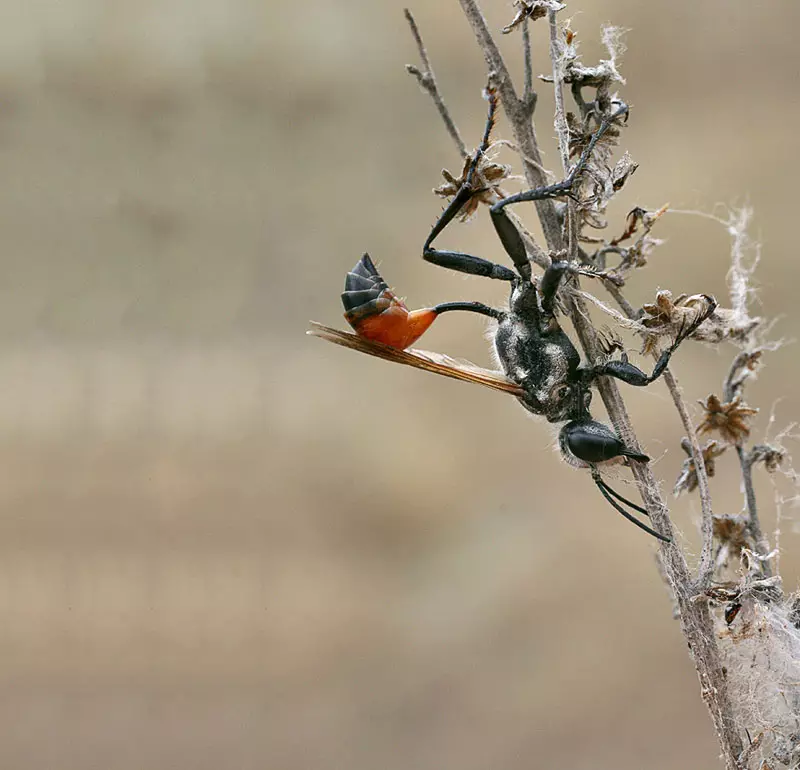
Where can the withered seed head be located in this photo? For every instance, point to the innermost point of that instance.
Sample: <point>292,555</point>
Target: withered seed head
<point>532,9</point>
<point>771,456</point>
<point>729,418</point>
<point>732,531</point>
<point>667,316</point>
<point>687,480</point>
<point>486,182</point>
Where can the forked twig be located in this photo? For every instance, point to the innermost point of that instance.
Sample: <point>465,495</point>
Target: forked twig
<point>427,81</point>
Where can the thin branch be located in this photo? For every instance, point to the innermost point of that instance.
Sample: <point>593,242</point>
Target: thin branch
<point>733,388</point>
<point>519,119</point>
<point>705,568</point>
<point>753,522</point>
<point>427,81</point>
<point>706,565</point>
<point>562,129</point>
<point>529,96</point>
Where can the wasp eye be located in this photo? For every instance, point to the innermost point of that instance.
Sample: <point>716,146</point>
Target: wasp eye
<point>560,392</point>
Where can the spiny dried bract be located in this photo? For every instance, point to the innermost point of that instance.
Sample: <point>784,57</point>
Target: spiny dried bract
<point>687,480</point>
<point>600,76</point>
<point>600,181</point>
<point>667,317</point>
<point>486,180</point>
<point>601,178</point>
<point>531,9</point>
<point>728,418</point>
<point>732,532</point>
<point>637,254</point>
<point>610,341</point>
<point>640,216</point>
<point>772,456</point>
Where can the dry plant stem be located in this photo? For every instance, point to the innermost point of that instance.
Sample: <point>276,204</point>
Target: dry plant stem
<point>705,569</point>
<point>706,566</point>
<point>753,523</point>
<point>530,95</point>
<point>730,390</point>
<point>427,80</point>
<point>519,118</point>
<point>535,252</point>
<point>695,616</point>
<point>562,129</point>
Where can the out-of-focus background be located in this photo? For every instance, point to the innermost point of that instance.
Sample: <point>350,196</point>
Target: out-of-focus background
<point>224,544</point>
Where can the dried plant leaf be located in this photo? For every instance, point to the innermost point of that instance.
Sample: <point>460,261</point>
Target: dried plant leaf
<point>622,171</point>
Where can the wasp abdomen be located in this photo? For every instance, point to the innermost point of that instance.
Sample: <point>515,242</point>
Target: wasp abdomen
<point>375,312</point>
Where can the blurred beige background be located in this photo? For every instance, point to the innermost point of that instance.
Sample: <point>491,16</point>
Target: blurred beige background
<point>226,545</point>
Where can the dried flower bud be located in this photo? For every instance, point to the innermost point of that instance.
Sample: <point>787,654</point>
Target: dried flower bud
<point>486,180</point>
<point>732,532</point>
<point>687,480</point>
<point>771,456</point>
<point>531,9</point>
<point>729,418</point>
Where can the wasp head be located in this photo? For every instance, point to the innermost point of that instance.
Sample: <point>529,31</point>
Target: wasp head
<point>562,402</point>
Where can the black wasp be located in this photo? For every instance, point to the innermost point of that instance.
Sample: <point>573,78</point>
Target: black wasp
<point>541,366</point>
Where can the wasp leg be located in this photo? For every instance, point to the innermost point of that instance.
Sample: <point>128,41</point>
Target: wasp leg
<point>633,375</point>
<point>564,189</point>
<point>456,260</point>
<point>510,236</point>
<point>473,307</point>
<point>619,497</point>
<point>548,287</point>
<point>602,487</point>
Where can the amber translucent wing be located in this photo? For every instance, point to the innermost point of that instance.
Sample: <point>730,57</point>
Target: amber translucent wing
<point>438,363</point>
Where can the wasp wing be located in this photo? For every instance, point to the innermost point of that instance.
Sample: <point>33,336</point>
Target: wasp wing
<point>438,363</point>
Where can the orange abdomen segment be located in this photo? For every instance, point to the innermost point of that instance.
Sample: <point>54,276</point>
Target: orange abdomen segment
<point>374,311</point>
<point>396,326</point>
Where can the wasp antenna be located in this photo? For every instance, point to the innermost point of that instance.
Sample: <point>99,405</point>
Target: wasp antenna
<point>619,497</point>
<point>627,515</point>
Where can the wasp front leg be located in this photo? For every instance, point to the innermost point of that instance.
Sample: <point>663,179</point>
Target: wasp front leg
<point>632,375</point>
